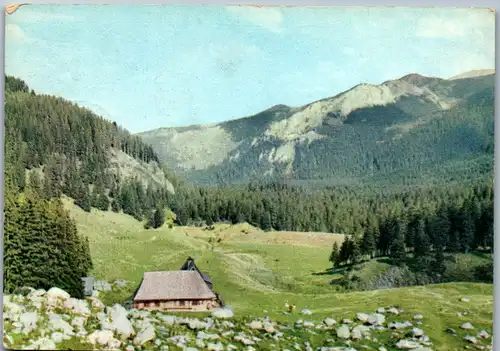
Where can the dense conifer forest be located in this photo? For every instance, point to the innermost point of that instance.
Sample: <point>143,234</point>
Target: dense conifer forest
<point>54,147</point>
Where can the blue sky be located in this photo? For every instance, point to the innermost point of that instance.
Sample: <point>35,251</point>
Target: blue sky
<point>147,67</point>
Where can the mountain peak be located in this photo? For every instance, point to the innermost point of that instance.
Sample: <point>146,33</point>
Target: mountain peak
<point>417,79</point>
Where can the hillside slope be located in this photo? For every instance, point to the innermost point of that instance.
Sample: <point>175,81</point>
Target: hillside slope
<point>75,152</point>
<point>256,277</point>
<point>409,125</point>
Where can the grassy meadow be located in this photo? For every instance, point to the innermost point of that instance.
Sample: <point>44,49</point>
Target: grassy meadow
<point>256,273</point>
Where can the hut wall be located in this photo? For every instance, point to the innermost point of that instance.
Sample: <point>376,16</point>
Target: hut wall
<point>177,305</point>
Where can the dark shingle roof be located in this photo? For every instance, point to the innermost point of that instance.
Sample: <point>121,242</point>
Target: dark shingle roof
<point>173,285</point>
<point>206,278</point>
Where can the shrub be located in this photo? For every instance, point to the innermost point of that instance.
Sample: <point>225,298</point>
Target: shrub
<point>484,273</point>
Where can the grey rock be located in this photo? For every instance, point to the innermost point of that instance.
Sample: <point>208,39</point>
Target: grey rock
<point>57,323</point>
<point>223,313</point>
<point>255,325</point>
<point>57,293</point>
<point>168,320</point>
<point>343,332</point>
<point>417,332</point>
<point>483,334</point>
<point>215,347</point>
<point>393,310</point>
<point>57,337</point>
<point>407,344</point>
<point>467,326</point>
<point>470,339</point>
<point>29,321</point>
<point>244,340</point>
<point>376,319</point>
<point>145,335</point>
<point>197,324</point>
<point>119,321</point>
<point>362,317</point>
<point>360,332</point>
<point>397,325</point>
<point>329,322</point>
<point>46,344</point>
<point>205,336</point>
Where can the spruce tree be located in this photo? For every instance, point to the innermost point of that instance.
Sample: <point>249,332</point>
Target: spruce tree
<point>368,245</point>
<point>335,254</point>
<point>398,250</point>
<point>266,221</point>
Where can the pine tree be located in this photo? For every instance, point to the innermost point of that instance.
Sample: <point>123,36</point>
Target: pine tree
<point>398,250</point>
<point>158,217</point>
<point>438,265</point>
<point>355,251</point>
<point>335,254</point>
<point>84,201</point>
<point>115,206</point>
<point>368,245</point>
<point>422,241</point>
<point>266,221</point>
<point>344,253</point>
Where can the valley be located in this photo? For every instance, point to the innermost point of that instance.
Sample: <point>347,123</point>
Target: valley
<point>246,178</point>
<point>356,207</point>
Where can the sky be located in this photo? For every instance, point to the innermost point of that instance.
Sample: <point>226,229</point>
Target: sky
<point>148,67</point>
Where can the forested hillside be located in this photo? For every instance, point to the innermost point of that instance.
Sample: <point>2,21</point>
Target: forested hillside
<point>53,147</point>
<point>412,130</point>
<point>70,150</point>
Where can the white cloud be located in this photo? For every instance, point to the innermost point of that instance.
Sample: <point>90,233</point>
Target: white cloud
<point>15,33</point>
<point>460,25</point>
<point>438,27</point>
<point>25,14</point>
<point>270,18</point>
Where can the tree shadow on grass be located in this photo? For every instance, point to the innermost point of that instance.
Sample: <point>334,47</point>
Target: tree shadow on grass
<point>336,270</point>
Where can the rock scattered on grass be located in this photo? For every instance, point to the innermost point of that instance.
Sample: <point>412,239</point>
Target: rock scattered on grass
<point>483,334</point>
<point>471,339</point>
<point>467,326</point>
<point>116,327</point>
<point>343,332</point>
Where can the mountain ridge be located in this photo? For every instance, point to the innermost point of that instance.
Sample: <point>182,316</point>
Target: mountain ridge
<point>412,77</point>
<point>271,141</point>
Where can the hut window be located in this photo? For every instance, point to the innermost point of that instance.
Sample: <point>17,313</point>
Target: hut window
<point>182,303</point>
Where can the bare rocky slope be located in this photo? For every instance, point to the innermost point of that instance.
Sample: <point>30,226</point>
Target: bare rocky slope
<point>360,131</point>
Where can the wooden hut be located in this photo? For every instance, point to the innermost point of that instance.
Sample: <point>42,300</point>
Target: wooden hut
<point>189,265</point>
<point>175,291</point>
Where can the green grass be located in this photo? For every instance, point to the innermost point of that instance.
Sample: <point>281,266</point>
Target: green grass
<point>253,277</point>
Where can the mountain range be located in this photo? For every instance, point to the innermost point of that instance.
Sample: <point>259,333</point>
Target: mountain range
<point>412,128</point>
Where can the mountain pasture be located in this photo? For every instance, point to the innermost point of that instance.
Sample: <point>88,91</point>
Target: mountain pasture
<point>258,277</point>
